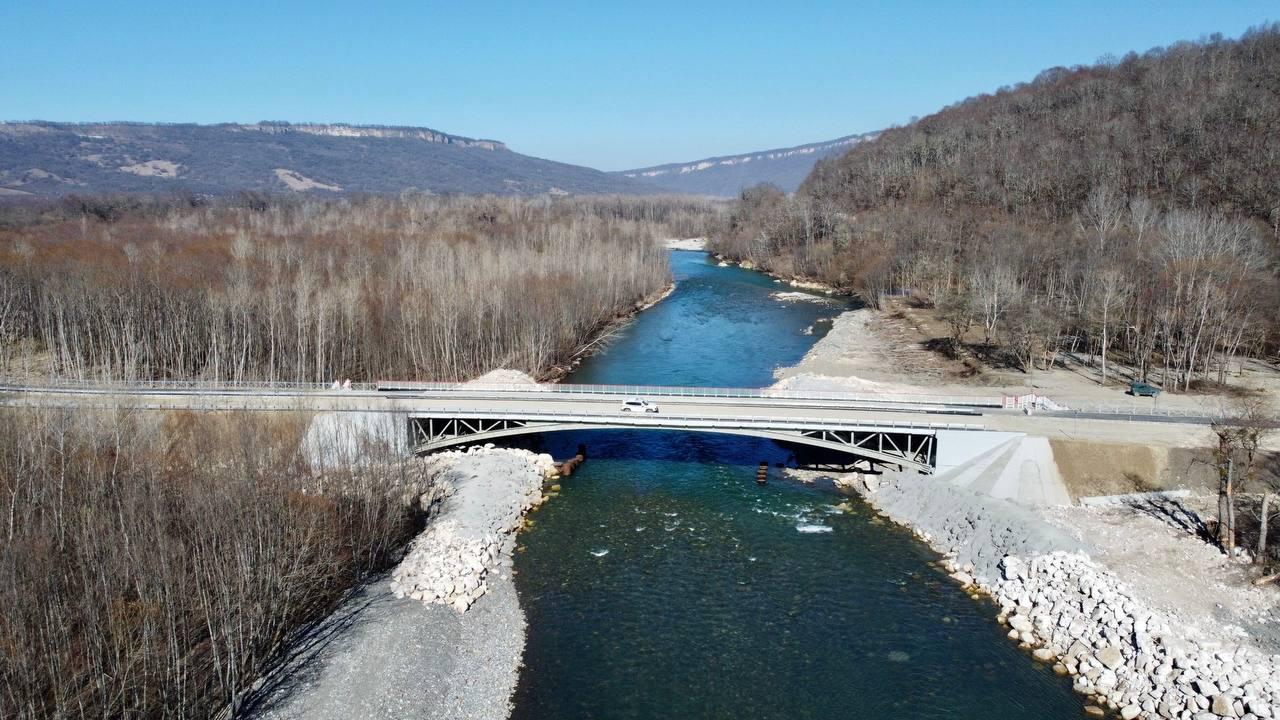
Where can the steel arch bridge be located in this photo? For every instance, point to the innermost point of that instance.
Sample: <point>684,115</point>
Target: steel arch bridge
<point>906,445</point>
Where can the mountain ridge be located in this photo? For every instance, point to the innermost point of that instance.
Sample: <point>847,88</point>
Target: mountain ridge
<point>728,175</point>
<point>46,158</point>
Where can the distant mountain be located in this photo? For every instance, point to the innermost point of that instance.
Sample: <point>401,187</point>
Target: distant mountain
<point>51,159</point>
<point>727,176</point>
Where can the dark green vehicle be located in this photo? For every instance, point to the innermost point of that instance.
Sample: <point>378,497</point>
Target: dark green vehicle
<point>1141,389</point>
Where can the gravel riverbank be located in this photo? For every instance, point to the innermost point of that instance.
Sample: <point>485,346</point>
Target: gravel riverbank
<point>442,635</point>
<point>1148,619</point>
<point>484,495</point>
<point>856,356</point>
<point>696,243</point>
<point>1074,612</point>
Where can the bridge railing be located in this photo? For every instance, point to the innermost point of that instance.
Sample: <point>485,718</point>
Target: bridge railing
<point>712,421</point>
<point>1137,410</point>
<point>647,391</point>
<point>1069,406</point>
<point>175,385</point>
<point>452,387</point>
<point>236,402</point>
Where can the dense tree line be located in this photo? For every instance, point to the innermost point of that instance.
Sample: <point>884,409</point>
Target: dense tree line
<point>257,288</point>
<point>153,565</point>
<point>1126,208</point>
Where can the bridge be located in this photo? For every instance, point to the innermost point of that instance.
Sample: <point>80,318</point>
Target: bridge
<point>899,432</point>
<point>928,433</point>
<point>880,430</point>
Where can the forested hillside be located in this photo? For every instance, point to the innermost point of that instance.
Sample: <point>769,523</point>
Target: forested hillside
<point>1127,207</point>
<point>415,287</point>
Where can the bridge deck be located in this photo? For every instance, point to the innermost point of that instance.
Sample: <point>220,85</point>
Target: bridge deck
<point>723,404</point>
<point>536,403</point>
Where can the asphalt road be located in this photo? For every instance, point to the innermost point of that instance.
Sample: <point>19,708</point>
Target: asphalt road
<point>481,402</point>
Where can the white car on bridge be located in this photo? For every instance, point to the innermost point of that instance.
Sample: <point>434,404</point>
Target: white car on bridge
<point>638,405</point>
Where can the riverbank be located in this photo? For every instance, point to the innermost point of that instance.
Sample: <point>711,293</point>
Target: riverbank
<point>601,338</point>
<point>858,355</point>
<point>1127,651</point>
<point>1148,618</point>
<point>697,243</point>
<point>442,635</point>
<point>483,495</point>
<point>795,282</point>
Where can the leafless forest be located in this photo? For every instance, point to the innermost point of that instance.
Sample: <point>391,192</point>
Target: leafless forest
<point>415,287</point>
<point>153,563</point>
<point>1128,209</point>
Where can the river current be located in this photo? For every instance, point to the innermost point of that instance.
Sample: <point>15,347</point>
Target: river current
<point>663,582</point>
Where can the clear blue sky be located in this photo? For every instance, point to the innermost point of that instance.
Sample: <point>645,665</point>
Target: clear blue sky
<point>608,84</point>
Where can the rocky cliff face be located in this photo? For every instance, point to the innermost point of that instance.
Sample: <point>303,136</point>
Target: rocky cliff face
<point>371,131</point>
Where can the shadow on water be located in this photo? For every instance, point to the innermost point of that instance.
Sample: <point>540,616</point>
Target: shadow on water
<point>663,582</point>
<point>696,447</point>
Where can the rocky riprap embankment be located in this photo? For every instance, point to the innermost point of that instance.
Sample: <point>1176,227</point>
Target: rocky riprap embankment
<point>1080,616</point>
<point>476,507</point>
<point>1070,611</point>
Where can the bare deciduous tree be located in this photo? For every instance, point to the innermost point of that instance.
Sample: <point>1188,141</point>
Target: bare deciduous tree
<point>1239,435</point>
<point>413,287</point>
<point>1110,295</point>
<point>1102,213</point>
<point>155,563</point>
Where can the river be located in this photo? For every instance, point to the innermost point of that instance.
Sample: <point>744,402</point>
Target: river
<point>662,582</point>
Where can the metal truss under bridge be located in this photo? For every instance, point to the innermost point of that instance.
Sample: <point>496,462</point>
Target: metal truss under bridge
<point>905,444</point>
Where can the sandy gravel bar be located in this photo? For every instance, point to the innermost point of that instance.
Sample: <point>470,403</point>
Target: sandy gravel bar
<point>382,656</point>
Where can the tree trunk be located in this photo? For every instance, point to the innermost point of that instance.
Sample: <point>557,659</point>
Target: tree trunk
<point>1223,520</point>
<point>1224,505</point>
<point>1104,348</point>
<point>1261,559</point>
<point>1231,510</point>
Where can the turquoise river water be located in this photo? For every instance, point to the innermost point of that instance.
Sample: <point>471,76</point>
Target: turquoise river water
<point>664,583</point>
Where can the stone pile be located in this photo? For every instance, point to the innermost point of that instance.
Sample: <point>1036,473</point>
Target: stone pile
<point>1078,615</point>
<point>482,496</point>
<point>448,569</point>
